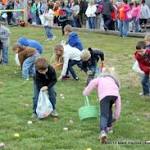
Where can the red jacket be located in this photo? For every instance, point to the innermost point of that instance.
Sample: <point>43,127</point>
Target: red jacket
<point>144,61</point>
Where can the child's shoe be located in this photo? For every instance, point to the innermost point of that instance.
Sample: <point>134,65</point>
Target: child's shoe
<point>34,116</point>
<point>103,137</point>
<point>109,130</point>
<point>65,77</point>
<point>54,113</point>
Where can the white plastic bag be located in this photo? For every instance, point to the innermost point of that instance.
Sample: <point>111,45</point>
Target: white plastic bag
<point>17,60</point>
<point>44,106</point>
<point>136,68</point>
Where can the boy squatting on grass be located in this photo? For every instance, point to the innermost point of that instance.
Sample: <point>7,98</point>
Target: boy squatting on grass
<point>44,79</point>
<point>142,55</point>
<point>73,38</point>
<point>26,57</point>
<point>107,87</point>
<point>90,59</point>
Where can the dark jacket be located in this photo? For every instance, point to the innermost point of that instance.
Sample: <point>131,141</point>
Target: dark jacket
<point>49,79</point>
<point>107,7</point>
<point>74,41</point>
<point>92,62</point>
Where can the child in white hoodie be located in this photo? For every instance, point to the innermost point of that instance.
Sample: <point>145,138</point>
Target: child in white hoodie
<point>48,23</point>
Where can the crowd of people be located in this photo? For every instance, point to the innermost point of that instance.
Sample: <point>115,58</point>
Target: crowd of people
<point>122,15</point>
<point>65,56</point>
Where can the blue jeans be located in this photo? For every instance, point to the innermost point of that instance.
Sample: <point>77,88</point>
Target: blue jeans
<point>71,63</point>
<point>5,55</point>
<point>123,27</point>
<point>136,24</point>
<point>93,70</point>
<point>145,84</point>
<point>28,67</point>
<point>92,22</point>
<point>48,32</point>
<point>51,94</point>
<point>106,117</point>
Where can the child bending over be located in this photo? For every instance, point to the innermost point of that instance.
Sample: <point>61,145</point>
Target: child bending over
<point>90,59</point>
<point>142,55</point>
<point>26,57</point>
<point>107,87</point>
<point>44,79</point>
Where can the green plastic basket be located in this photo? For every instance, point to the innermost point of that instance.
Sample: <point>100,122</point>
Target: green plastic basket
<point>88,111</point>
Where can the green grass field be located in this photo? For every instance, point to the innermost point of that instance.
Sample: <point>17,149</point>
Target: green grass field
<point>16,102</point>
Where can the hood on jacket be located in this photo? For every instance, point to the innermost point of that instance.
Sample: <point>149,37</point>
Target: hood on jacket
<point>23,41</point>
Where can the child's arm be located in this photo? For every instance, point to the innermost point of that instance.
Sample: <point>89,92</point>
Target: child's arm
<point>100,54</point>
<point>91,86</point>
<point>65,66</point>
<point>117,108</point>
<point>53,77</point>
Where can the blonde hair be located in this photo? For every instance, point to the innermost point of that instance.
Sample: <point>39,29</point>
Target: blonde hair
<point>85,55</point>
<point>147,37</point>
<point>57,59</point>
<point>110,71</point>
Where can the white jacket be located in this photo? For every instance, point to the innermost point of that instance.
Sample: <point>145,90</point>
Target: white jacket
<point>48,18</point>
<point>70,53</point>
<point>145,12</point>
<point>91,10</point>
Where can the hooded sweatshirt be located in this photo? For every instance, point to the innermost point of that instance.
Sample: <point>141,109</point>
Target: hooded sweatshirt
<point>74,41</point>
<point>31,43</point>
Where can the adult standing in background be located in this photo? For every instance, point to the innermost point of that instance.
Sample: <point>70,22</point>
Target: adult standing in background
<point>106,12</point>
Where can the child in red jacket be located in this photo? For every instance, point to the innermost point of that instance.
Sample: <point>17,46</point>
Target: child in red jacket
<point>142,55</point>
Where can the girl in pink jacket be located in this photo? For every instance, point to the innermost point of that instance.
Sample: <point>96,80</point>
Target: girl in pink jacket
<point>107,87</point>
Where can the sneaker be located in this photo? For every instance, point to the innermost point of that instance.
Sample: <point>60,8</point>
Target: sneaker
<point>34,115</point>
<point>142,94</point>
<point>77,78</point>
<point>54,37</point>
<point>109,130</point>
<point>54,113</point>
<point>103,137</point>
<point>65,77</point>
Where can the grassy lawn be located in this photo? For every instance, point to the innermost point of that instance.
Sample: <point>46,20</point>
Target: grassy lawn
<point>48,134</point>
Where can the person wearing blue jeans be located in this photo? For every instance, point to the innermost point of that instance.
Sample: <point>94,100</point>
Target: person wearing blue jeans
<point>71,70</point>
<point>142,55</point>
<point>4,38</point>
<point>48,31</point>
<point>28,68</point>
<point>92,22</point>
<point>123,28</point>
<point>44,79</point>
<point>146,85</point>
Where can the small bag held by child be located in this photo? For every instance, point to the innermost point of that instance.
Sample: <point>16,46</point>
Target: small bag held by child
<point>136,68</point>
<point>44,106</point>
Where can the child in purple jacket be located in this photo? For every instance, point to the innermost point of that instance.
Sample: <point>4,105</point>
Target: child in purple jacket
<point>107,87</point>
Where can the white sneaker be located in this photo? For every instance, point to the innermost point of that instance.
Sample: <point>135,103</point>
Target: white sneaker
<point>54,113</point>
<point>141,94</point>
<point>103,137</point>
<point>54,37</point>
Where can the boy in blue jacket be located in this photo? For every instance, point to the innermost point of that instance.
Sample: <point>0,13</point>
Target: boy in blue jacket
<point>73,38</point>
<point>30,43</point>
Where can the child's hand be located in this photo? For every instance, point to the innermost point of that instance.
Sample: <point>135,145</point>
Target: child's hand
<point>44,88</point>
<point>60,78</point>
